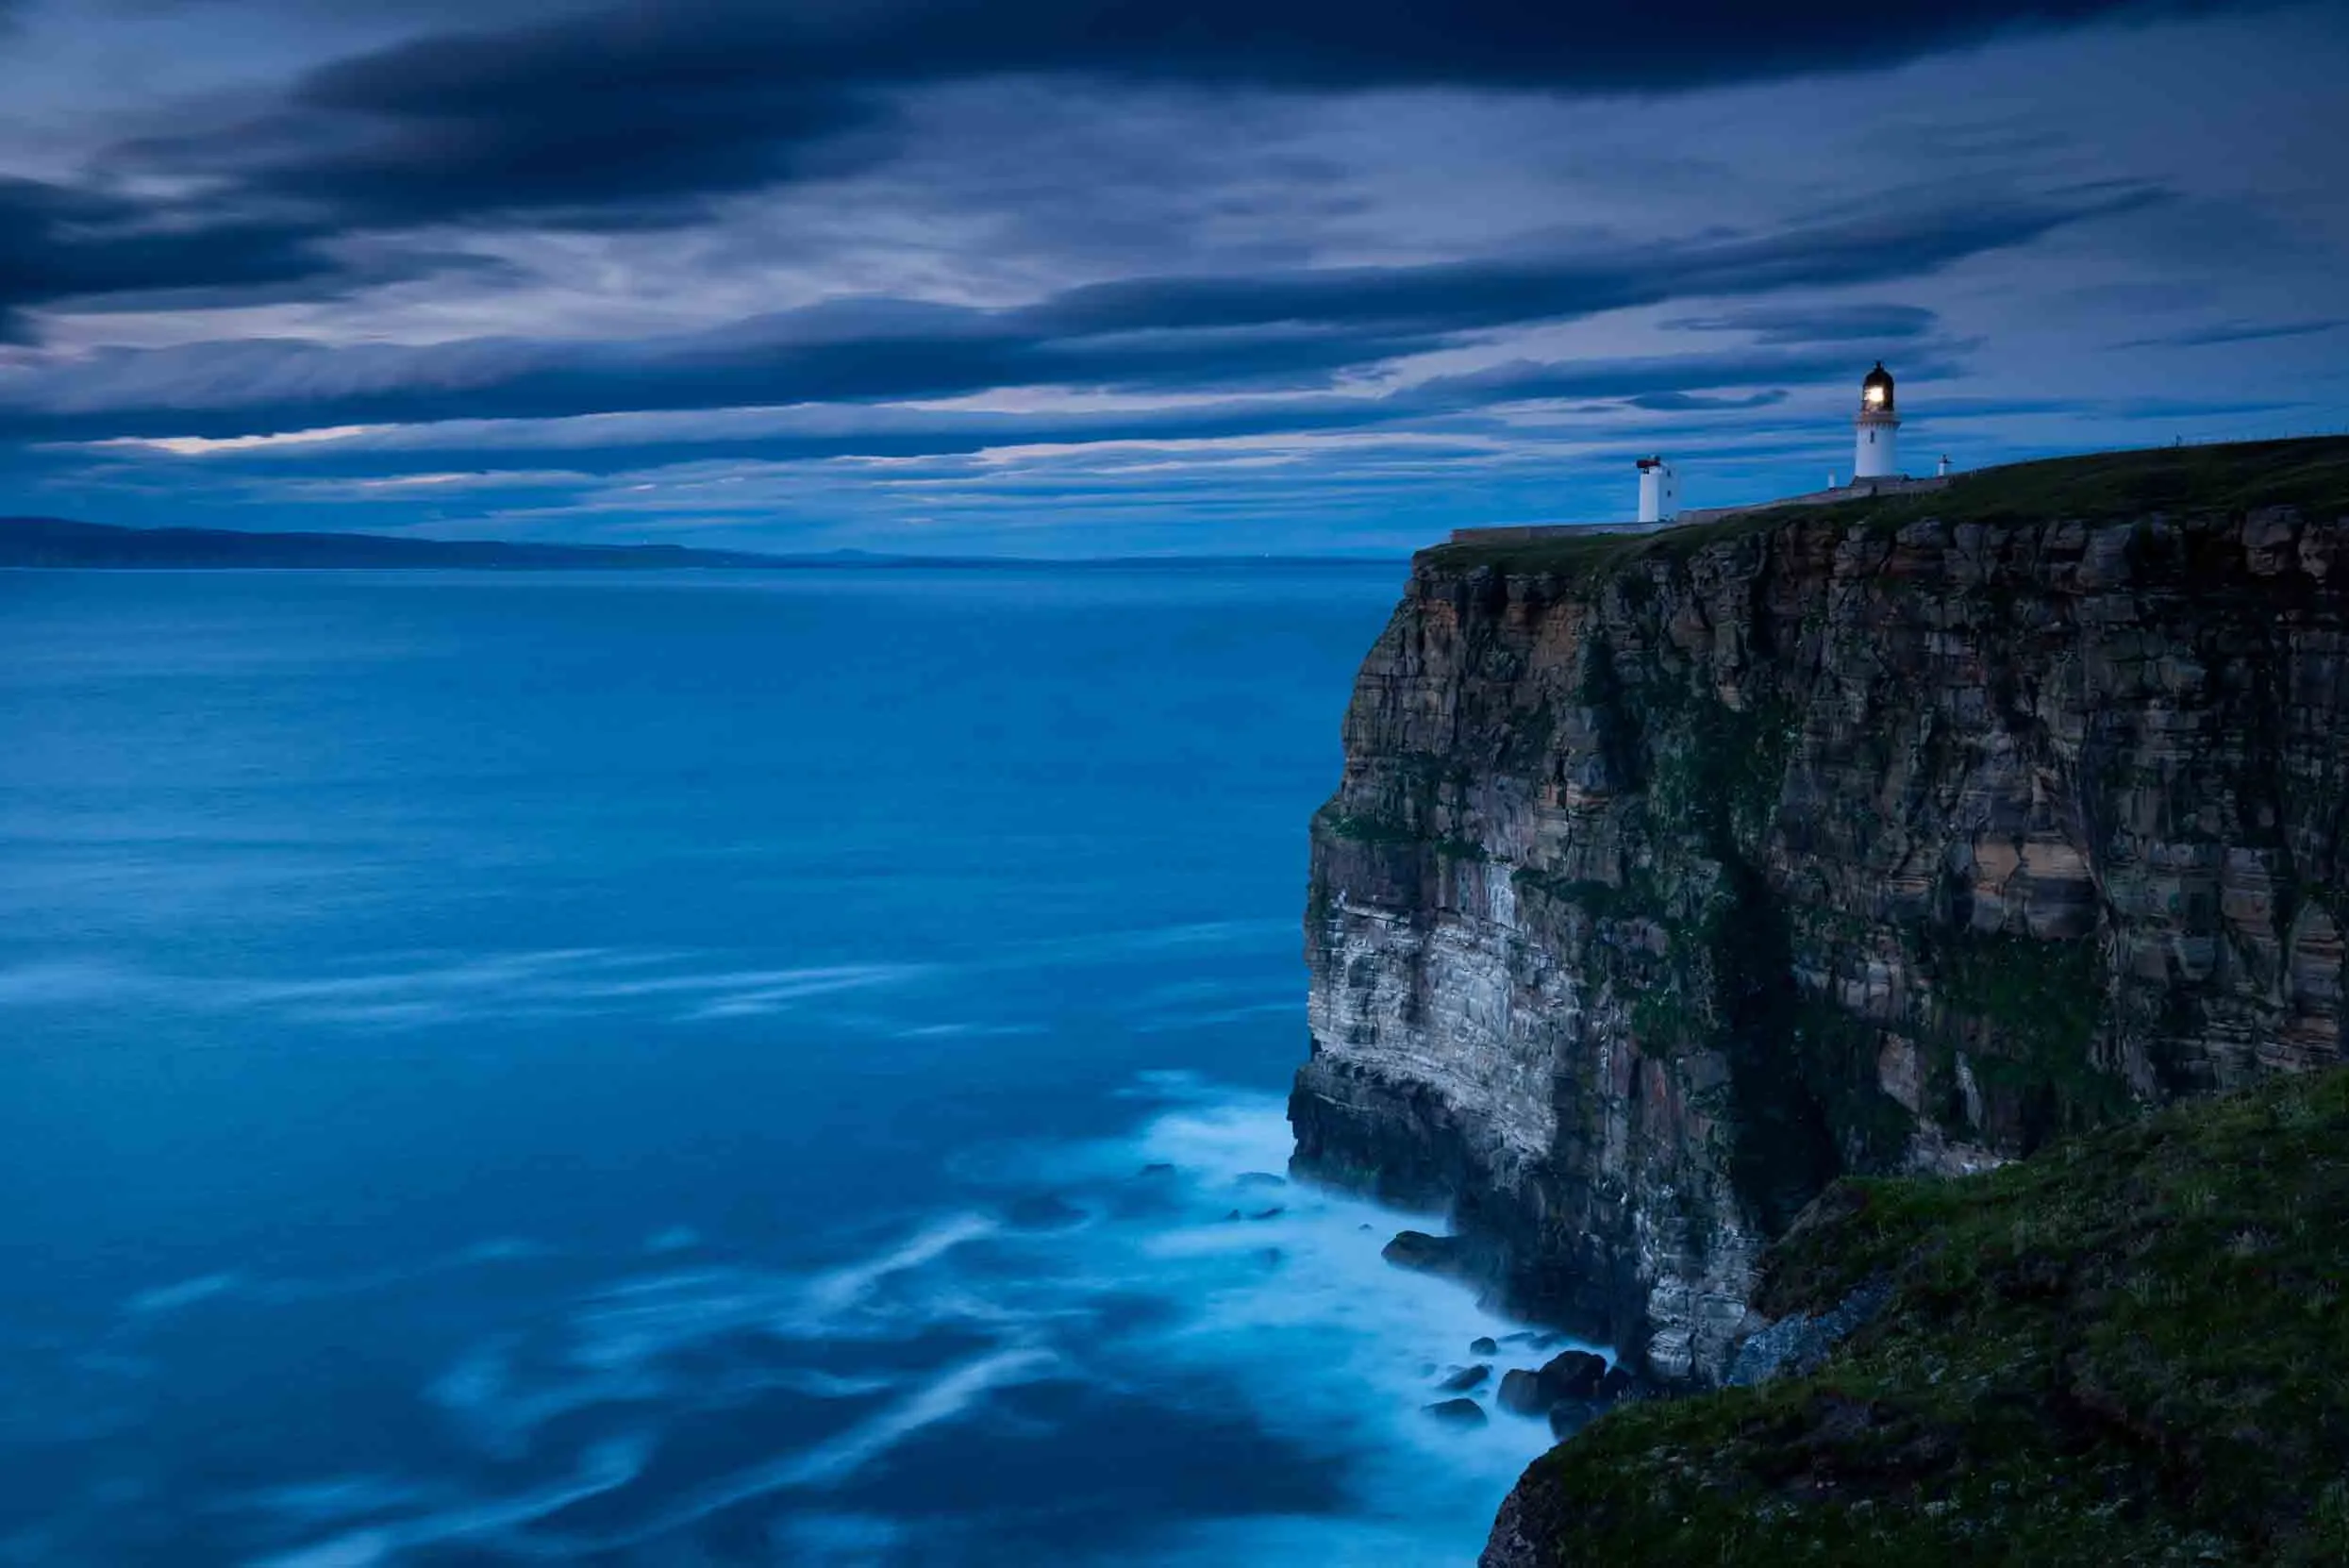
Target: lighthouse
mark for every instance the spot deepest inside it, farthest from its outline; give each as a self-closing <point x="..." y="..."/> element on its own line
<point x="1659" y="491"/>
<point x="1876" y="442"/>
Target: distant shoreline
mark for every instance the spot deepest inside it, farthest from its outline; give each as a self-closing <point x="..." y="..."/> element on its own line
<point x="43" y="543"/>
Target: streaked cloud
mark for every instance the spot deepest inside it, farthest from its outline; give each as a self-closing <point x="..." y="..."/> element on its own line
<point x="837" y="274"/>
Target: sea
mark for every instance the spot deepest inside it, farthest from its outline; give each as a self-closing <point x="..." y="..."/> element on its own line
<point x="690" y="1069"/>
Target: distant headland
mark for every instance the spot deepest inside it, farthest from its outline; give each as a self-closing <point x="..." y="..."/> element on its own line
<point x="57" y="543"/>
<point x="54" y="542"/>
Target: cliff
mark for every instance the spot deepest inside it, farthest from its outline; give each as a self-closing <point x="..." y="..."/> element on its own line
<point x="2125" y="1349"/>
<point x="1672" y="878"/>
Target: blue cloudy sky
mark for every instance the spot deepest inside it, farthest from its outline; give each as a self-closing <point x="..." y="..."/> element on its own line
<point x="1061" y="277"/>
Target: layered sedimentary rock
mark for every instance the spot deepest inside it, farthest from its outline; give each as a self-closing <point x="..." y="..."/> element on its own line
<point x="1671" y="878"/>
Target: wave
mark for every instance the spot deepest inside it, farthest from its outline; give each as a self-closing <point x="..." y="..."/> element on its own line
<point x="606" y="1467"/>
<point x="185" y="1292"/>
<point x="828" y="1463"/>
<point x="843" y="1287"/>
<point x="1173" y="1277"/>
<point x="548" y="984"/>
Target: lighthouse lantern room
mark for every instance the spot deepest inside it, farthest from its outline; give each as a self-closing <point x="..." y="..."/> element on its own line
<point x="1877" y="452"/>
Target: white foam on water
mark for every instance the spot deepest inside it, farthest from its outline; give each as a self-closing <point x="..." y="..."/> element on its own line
<point x="502" y="1412"/>
<point x="965" y="1031"/>
<point x="606" y="1467"/>
<point x="1286" y="1315"/>
<point x="782" y="992"/>
<point x="943" y="1400"/>
<point x="415" y="991"/>
<point x="178" y="1296"/>
<point x="185" y="1293"/>
<point x="1333" y="1345"/>
<point x="634" y="1322"/>
<point x="828" y="1463"/>
<point x="843" y="1288"/>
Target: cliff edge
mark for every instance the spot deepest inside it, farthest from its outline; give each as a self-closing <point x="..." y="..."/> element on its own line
<point x="1673" y="877"/>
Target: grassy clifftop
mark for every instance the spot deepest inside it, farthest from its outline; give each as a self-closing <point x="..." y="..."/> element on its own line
<point x="2130" y="1348"/>
<point x="2312" y="475"/>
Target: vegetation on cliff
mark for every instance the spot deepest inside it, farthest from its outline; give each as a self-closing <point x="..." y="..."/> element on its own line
<point x="2232" y="477"/>
<point x="2132" y="1347"/>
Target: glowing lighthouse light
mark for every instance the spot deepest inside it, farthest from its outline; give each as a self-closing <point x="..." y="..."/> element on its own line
<point x="1875" y="453"/>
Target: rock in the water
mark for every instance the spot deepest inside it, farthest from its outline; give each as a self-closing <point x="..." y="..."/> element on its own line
<point x="1157" y="1168"/>
<point x="1617" y="1384"/>
<point x="1569" y="1416"/>
<point x="1466" y="1378"/>
<point x="1521" y="1393"/>
<point x="1273" y="1213"/>
<point x="1572" y="1375"/>
<point x="1484" y="1346"/>
<point x="1260" y="1178"/>
<point x="1457" y="1412"/>
<point x="1416" y="1249"/>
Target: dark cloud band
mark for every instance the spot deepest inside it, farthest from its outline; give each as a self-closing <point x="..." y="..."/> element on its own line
<point x="637" y="116"/>
<point x="1294" y="331"/>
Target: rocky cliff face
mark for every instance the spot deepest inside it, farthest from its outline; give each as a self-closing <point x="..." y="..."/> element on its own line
<point x="1672" y="878"/>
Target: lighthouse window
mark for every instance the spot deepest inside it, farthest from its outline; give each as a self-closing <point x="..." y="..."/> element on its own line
<point x="1875" y="395"/>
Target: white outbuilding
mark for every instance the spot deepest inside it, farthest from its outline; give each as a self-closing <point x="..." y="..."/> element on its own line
<point x="1659" y="491"/>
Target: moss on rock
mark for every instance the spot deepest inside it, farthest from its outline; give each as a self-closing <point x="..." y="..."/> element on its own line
<point x="2132" y="1347"/>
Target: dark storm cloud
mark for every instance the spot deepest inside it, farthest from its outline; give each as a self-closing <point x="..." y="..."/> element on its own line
<point x="598" y="152"/>
<point x="1816" y="323"/>
<point x="1882" y="245"/>
<point x="1160" y="334"/>
<point x="634" y="116"/>
<point x="1312" y="44"/>
<point x="59" y="243"/>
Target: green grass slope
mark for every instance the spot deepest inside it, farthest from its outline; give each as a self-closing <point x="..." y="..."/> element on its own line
<point x="2131" y="1348"/>
<point x="2311" y="474"/>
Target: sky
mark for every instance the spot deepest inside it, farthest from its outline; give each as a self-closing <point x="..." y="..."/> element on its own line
<point x="1050" y="277"/>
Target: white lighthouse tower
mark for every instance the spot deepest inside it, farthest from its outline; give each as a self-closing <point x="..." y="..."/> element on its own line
<point x="1659" y="491"/>
<point x="1876" y="443"/>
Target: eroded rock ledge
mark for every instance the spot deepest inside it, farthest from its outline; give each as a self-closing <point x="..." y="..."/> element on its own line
<point x="1673" y="877"/>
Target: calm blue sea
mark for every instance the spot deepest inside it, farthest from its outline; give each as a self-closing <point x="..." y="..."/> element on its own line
<point x="688" y="1070"/>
